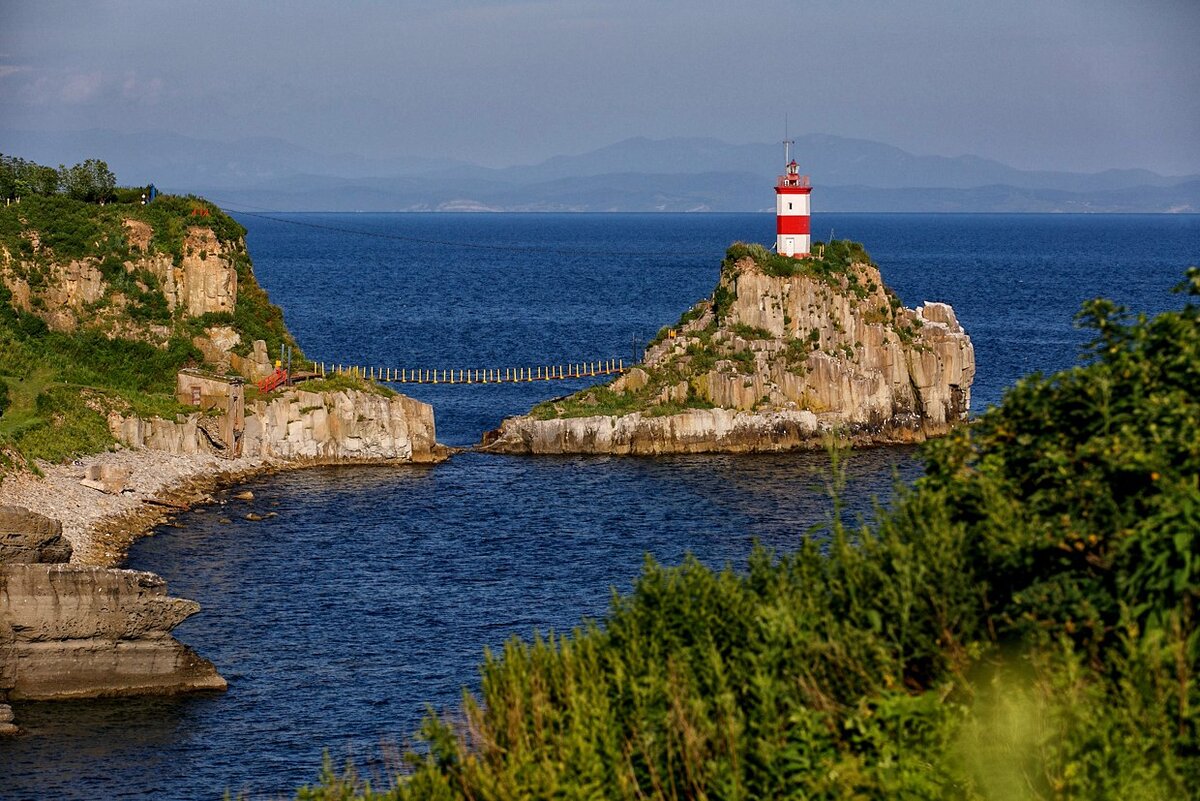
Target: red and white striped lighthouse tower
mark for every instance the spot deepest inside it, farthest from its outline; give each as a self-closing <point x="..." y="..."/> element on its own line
<point x="791" y="209"/>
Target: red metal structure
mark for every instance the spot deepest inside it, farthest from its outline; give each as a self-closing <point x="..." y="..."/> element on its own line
<point x="273" y="381"/>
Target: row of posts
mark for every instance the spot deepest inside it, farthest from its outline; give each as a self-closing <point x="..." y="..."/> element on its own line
<point x="508" y="375"/>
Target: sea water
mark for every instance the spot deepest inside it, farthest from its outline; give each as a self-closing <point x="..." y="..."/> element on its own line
<point x="375" y="591"/>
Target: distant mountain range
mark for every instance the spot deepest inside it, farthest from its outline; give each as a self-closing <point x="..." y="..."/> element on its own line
<point x="681" y="174"/>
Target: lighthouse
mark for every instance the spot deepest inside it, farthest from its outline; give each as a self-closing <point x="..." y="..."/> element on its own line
<point x="791" y="209"/>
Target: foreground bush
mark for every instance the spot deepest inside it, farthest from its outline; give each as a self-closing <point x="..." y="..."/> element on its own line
<point x="1020" y="624"/>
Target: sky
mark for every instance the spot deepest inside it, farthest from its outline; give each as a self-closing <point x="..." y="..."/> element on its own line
<point x="1080" y="85"/>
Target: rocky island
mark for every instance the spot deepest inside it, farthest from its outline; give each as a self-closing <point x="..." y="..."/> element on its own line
<point x="133" y="337"/>
<point x="784" y="353"/>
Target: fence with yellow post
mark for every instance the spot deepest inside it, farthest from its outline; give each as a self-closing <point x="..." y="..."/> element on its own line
<point x="481" y="375"/>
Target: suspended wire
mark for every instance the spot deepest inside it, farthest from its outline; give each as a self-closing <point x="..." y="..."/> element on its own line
<point x="448" y="243"/>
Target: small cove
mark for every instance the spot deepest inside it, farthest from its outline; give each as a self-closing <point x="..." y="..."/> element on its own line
<point x="375" y="590"/>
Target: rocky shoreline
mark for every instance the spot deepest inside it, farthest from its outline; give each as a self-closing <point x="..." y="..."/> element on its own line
<point x="160" y="485"/>
<point x="693" y="431"/>
<point x="81" y="628"/>
<point x="101" y="526"/>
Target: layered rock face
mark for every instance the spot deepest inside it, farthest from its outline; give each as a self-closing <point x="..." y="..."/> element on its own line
<point x="331" y="426"/>
<point x="85" y="632"/>
<point x="202" y="280"/>
<point x="785" y="358"/>
<point x="82" y="632"/>
<point x="638" y="434"/>
<point x="26" y="537"/>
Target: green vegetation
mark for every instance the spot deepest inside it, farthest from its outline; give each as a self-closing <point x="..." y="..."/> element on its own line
<point x="89" y="181"/>
<point x="124" y="349"/>
<point x="829" y="261"/>
<point x="68" y="229"/>
<point x="61" y="386"/>
<point x="604" y="401"/>
<point x="1023" y="623"/>
<point x="335" y="382"/>
<point x="750" y="332"/>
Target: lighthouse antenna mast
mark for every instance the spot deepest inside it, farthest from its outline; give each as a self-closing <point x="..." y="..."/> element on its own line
<point x="787" y="142"/>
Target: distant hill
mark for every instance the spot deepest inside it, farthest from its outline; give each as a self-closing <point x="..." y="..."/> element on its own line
<point x="681" y="174"/>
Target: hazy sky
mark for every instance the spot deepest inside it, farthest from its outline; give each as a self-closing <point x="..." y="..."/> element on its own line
<point x="1048" y="84"/>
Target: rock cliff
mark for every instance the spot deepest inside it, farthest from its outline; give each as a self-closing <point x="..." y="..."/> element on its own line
<point x="784" y="352"/>
<point x="344" y="425"/>
<point x="68" y="631"/>
<point x="173" y="273"/>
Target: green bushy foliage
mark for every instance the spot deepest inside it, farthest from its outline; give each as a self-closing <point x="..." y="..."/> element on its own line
<point x="122" y="374"/>
<point x="89" y="181"/>
<point x="829" y="261"/>
<point x="69" y="427"/>
<point x="1020" y="624"/>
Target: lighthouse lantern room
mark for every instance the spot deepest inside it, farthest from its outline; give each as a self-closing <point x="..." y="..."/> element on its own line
<point x="792" y="210"/>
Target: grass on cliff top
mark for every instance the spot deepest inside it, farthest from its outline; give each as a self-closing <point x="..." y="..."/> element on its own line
<point x="73" y="229"/>
<point x="829" y="260"/>
<point x="604" y="401"/>
<point x="69" y="229"/>
<point x="61" y="386"/>
<point x="1024" y="623"/>
<point x="342" y="382"/>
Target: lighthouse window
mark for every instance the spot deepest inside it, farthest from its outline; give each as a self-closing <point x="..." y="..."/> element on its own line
<point x="789" y="205"/>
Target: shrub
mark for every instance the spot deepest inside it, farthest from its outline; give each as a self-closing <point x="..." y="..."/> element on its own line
<point x="1021" y="622"/>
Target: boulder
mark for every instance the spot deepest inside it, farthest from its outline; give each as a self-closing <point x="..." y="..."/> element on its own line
<point x="85" y="632"/>
<point x="28" y="537"/>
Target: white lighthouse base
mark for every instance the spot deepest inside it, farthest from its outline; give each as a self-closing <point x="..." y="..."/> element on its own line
<point x="793" y="245"/>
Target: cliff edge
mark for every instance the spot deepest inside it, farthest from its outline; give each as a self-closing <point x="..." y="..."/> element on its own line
<point x="784" y="352"/>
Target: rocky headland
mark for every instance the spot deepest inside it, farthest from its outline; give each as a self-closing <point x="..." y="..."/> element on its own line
<point x="132" y="337"/>
<point x="784" y="353"/>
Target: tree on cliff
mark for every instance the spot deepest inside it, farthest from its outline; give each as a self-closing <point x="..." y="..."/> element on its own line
<point x="90" y="181"/>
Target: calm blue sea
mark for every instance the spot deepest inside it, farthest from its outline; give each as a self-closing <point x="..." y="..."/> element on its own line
<point x="376" y="590"/>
